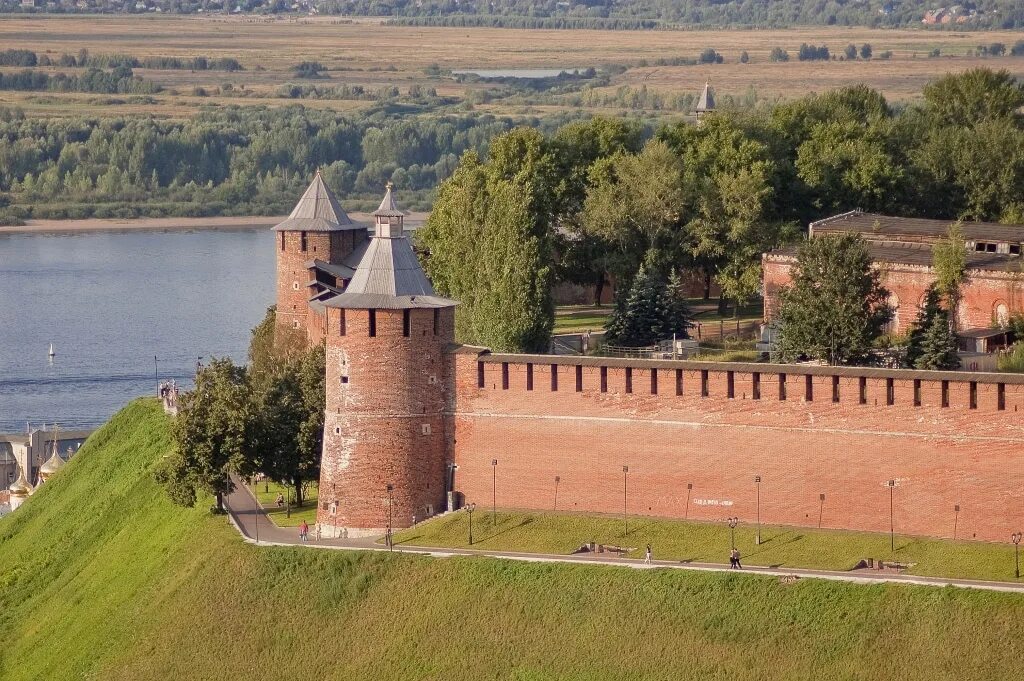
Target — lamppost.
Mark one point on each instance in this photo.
(892, 522)
(757, 481)
(686, 511)
(390, 541)
(956, 517)
(156, 372)
(733, 522)
(821, 507)
(1015, 538)
(557, 480)
(494, 492)
(469, 509)
(625, 521)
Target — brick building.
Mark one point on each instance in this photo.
(902, 251)
(417, 424)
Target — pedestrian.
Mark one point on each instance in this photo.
(317, 526)
(304, 531)
(734, 559)
(647, 558)
(280, 500)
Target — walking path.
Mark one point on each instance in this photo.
(255, 527)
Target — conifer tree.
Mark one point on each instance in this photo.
(932, 343)
(639, 316)
(677, 312)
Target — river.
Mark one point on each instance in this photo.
(112, 301)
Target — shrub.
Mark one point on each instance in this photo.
(778, 54)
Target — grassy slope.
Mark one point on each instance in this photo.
(101, 578)
(562, 533)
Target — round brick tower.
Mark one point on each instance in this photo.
(385, 451)
(318, 230)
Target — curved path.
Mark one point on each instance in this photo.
(256, 528)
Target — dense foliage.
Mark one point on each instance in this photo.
(652, 309)
(931, 343)
(836, 307)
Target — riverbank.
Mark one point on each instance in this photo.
(412, 221)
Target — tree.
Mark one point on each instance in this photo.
(652, 309)
(932, 343)
(949, 260)
(778, 55)
(850, 52)
(211, 433)
(865, 51)
(970, 97)
(836, 306)
(744, 57)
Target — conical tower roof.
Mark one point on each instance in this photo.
(389, 276)
(706, 101)
(20, 487)
(317, 211)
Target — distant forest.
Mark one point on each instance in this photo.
(599, 14)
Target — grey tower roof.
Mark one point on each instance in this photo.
(317, 211)
(388, 276)
(706, 101)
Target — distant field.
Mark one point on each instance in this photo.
(371, 55)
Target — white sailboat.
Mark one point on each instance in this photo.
(52, 353)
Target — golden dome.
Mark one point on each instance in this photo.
(20, 487)
(51, 466)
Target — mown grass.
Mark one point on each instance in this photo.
(586, 318)
(562, 533)
(283, 516)
(102, 578)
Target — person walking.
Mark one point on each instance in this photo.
(304, 531)
(734, 559)
(647, 558)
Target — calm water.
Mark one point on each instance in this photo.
(111, 301)
(514, 73)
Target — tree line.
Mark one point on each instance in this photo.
(21, 57)
(598, 199)
(118, 80)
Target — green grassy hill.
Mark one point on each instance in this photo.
(101, 578)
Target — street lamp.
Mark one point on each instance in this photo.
(821, 507)
(625, 521)
(686, 511)
(469, 509)
(956, 518)
(494, 492)
(557, 480)
(757, 481)
(733, 522)
(1015, 538)
(892, 522)
(390, 540)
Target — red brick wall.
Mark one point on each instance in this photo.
(384, 424)
(801, 447)
(980, 294)
(292, 275)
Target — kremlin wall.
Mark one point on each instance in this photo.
(416, 423)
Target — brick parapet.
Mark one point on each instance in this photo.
(840, 431)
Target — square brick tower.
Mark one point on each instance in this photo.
(385, 448)
(317, 231)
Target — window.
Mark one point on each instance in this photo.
(579, 378)
(406, 322)
(1014, 249)
(554, 378)
(704, 392)
(302, 241)
(373, 323)
(295, 286)
(479, 374)
(755, 381)
(629, 379)
(341, 322)
(835, 389)
(504, 375)
(980, 247)
(295, 324)
(529, 376)
(282, 241)
(654, 381)
(604, 379)
(991, 248)
(344, 380)
(425, 429)
(730, 385)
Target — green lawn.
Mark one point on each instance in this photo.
(267, 494)
(101, 577)
(577, 319)
(562, 533)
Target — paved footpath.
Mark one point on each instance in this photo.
(256, 528)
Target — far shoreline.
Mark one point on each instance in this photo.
(413, 221)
